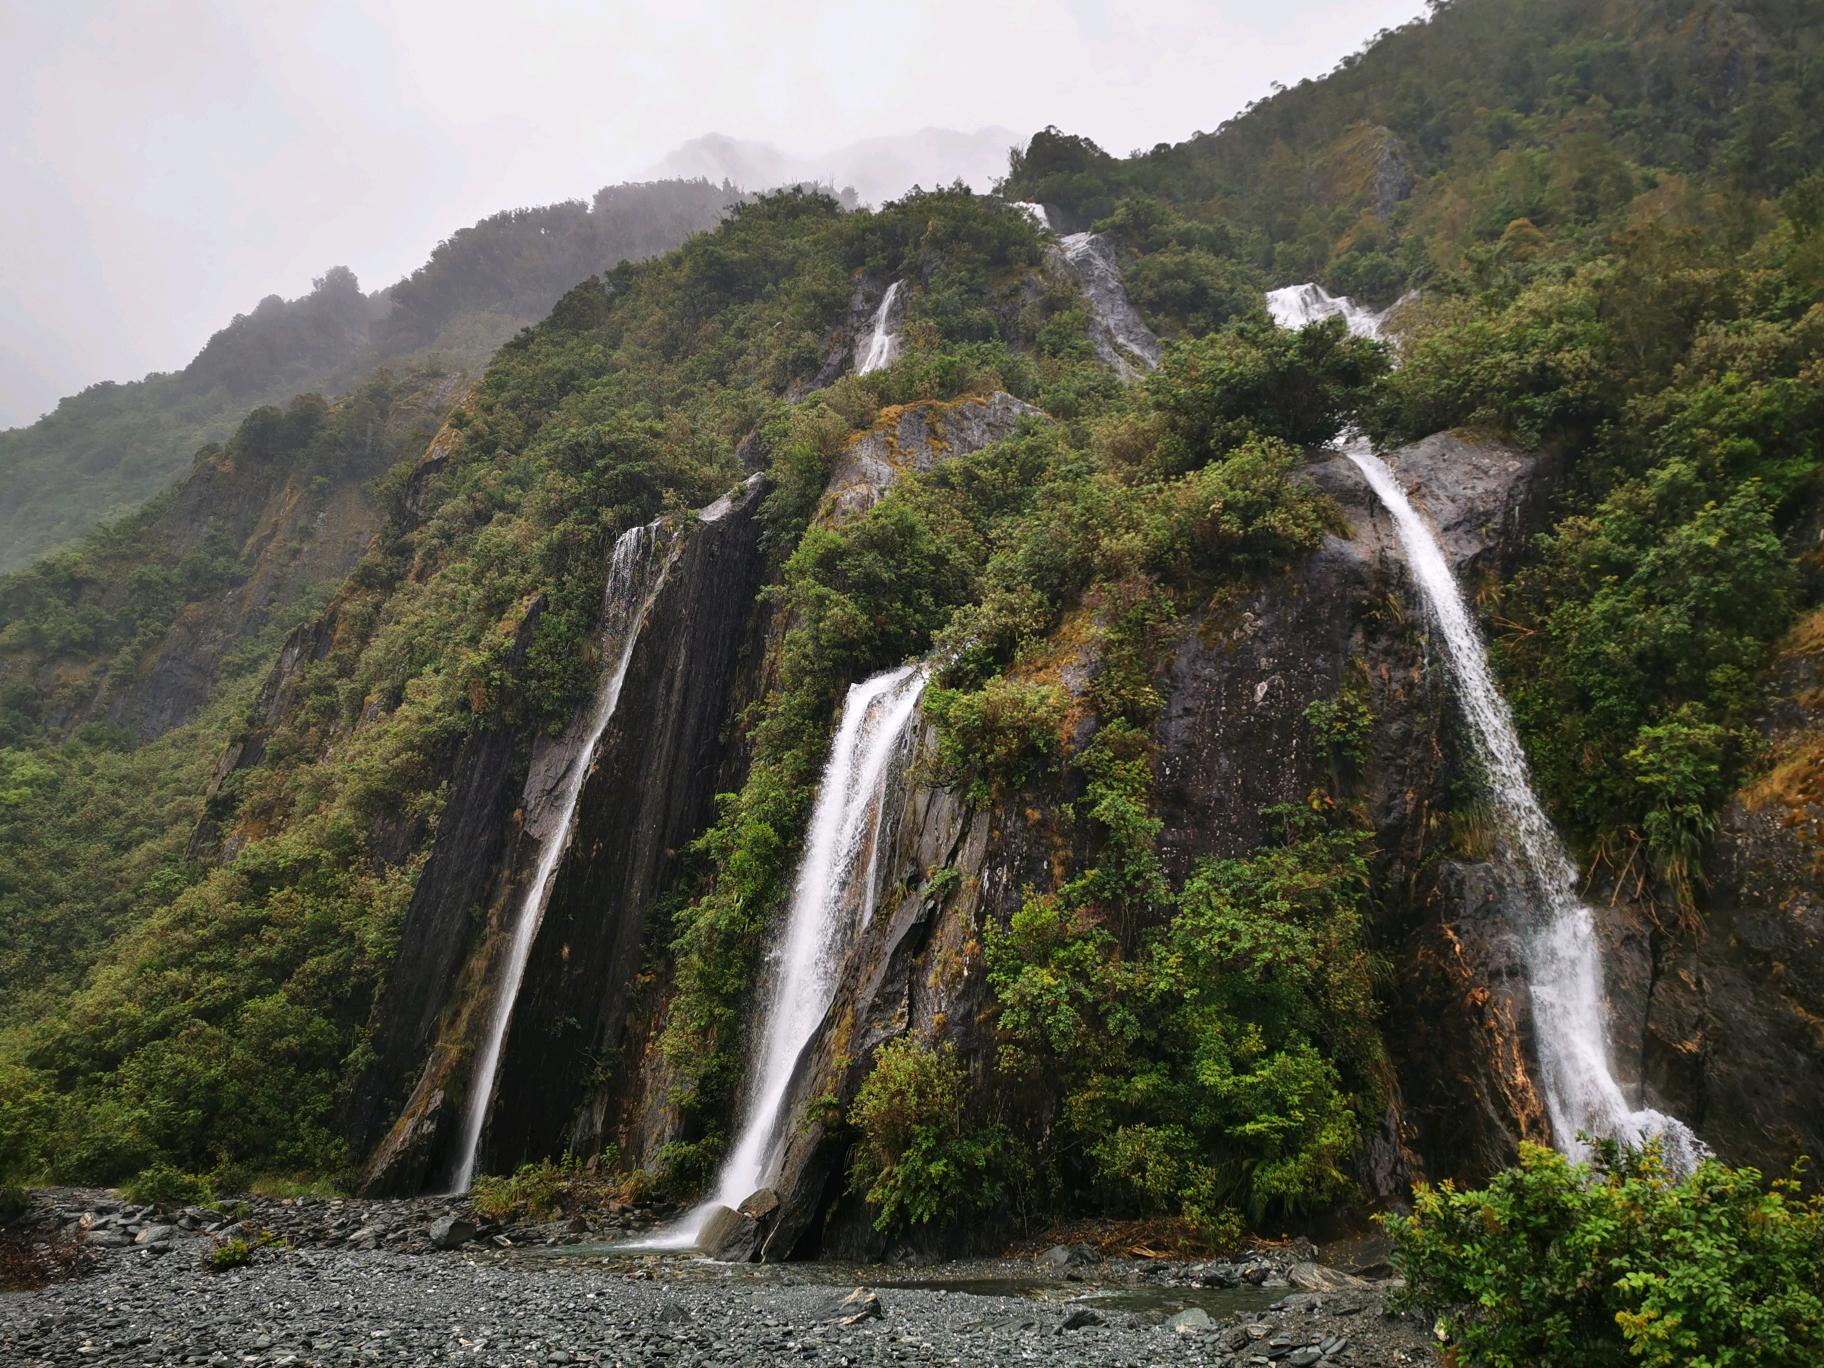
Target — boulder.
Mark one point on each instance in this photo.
(1079, 1318)
(1314, 1277)
(760, 1204)
(858, 1306)
(450, 1231)
(729, 1235)
(1068, 1256)
(1192, 1322)
(155, 1234)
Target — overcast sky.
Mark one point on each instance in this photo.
(166, 163)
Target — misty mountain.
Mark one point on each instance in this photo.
(878, 169)
(106, 450)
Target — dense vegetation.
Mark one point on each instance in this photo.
(104, 451)
(1621, 260)
(1616, 1262)
(1616, 217)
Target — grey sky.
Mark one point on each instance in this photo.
(166, 163)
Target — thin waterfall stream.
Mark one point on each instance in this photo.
(640, 565)
(882, 342)
(1562, 957)
(833, 898)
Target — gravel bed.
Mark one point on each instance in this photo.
(359, 1302)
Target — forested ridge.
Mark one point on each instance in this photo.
(102, 452)
(1600, 226)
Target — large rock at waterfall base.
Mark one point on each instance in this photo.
(760, 1204)
(729, 1235)
(449, 1232)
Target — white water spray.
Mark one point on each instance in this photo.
(1563, 958)
(1296, 306)
(1035, 212)
(833, 897)
(883, 344)
(637, 572)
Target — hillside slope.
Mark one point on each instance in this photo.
(102, 452)
(1171, 889)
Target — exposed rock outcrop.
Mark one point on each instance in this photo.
(915, 437)
(1232, 741)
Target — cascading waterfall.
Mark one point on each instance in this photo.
(833, 897)
(1563, 959)
(1295, 306)
(640, 565)
(882, 344)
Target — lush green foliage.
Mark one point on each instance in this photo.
(1681, 367)
(163, 1185)
(918, 1160)
(984, 556)
(1561, 1265)
(1228, 1061)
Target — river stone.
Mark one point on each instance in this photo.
(448, 1232)
(1314, 1277)
(1190, 1322)
(760, 1204)
(729, 1235)
(154, 1234)
(1079, 1318)
(858, 1306)
(1068, 1256)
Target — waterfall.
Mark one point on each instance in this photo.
(883, 344)
(1563, 959)
(833, 897)
(1294, 306)
(1035, 212)
(641, 563)
(1121, 338)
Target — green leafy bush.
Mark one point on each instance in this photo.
(1615, 1262)
(167, 1186)
(236, 1253)
(918, 1160)
(1224, 1066)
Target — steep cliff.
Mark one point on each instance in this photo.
(651, 782)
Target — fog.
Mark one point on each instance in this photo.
(167, 165)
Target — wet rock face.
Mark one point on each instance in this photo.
(1729, 1005)
(1231, 741)
(569, 1058)
(1117, 332)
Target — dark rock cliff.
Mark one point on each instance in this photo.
(568, 1058)
(649, 791)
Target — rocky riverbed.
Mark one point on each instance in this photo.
(359, 1283)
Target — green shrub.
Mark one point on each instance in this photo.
(166, 1185)
(1000, 737)
(1615, 1262)
(230, 1254)
(919, 1160)
(531, 1191)
(1225, 1064)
